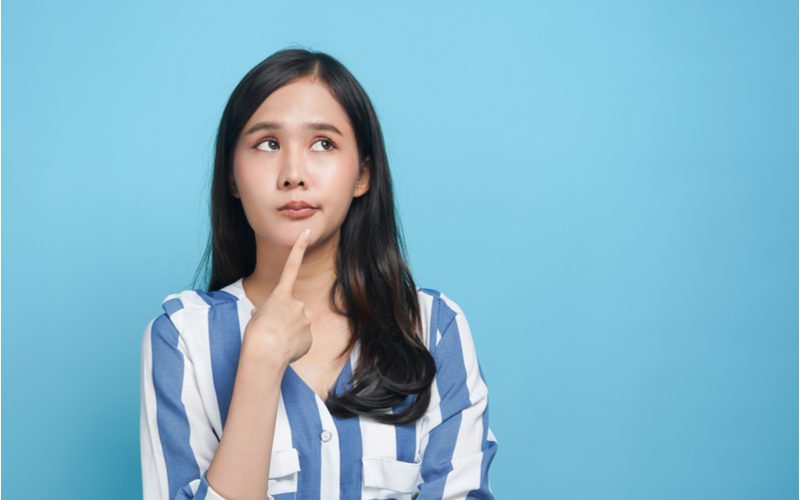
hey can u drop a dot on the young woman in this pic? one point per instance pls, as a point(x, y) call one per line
point(332, 375)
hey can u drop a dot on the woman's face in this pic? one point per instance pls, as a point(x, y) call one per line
point(298, 146)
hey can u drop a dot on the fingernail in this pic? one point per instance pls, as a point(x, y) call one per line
point(306, 233)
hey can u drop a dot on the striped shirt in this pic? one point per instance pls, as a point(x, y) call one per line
point(189, 357)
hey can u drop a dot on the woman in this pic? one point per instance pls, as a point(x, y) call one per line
point(332, 374)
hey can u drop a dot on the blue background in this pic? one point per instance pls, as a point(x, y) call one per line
point(608, 189)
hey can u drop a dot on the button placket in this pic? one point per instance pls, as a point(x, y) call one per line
point(329, 450)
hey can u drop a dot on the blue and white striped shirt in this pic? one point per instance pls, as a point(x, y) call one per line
point(189, 358)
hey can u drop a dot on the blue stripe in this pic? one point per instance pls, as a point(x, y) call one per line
point(436, 320)
point(444, 318)
point(451, 377)
point(202, 490)
point(431, 291)
point(406, 434)
point(225, 343)
point(216, 297)
point(172, 306)
point(350, 446)
point(173, 424)
point(304, 419)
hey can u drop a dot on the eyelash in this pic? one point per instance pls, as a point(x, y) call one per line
point(266, 139)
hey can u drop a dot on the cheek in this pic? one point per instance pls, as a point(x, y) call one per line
point(253, 181)
point(253, 195)
point(339, 191)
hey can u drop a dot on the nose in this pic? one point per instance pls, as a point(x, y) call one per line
point(293, 171)
point(292, 180)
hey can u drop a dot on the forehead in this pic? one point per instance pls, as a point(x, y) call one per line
point(302, 101)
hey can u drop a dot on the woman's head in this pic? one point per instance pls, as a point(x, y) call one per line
point(267, 155)
point(298, 145)
point(258, 169)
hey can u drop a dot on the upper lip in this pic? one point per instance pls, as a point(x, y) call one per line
point(297, 205)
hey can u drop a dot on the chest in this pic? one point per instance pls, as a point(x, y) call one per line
point(320, 367)
point(314, 453)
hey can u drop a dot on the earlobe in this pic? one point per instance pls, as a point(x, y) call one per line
point(362, 186)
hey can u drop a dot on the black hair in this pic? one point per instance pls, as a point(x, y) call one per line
point(379, 294)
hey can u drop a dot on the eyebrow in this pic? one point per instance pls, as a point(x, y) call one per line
point(307, 126)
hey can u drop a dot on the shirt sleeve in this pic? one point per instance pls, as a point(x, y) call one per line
point(177, 440)
point(460, 446)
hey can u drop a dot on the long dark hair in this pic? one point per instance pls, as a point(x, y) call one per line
point(395, 369)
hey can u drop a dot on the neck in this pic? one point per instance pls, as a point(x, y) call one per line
point(314, 278)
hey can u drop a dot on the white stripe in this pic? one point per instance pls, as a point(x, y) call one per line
point(154, 468)
point(470, 435)
point(193, 328)
point(329, 456)
point(201, 440)
point(282, 440)
point(242, 308)
point(425, 305)
point(467, 454)
point(433, 414)
point(378, 439)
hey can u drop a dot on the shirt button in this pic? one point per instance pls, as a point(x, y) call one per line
point(325, 435)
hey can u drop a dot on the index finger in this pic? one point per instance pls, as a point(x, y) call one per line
point(292, 266)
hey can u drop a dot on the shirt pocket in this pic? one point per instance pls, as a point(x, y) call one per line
point(389, 478)
point(283, 468)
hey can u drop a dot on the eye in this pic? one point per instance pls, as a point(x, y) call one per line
point(328, 141)
point(266, 141)
point(272, 142)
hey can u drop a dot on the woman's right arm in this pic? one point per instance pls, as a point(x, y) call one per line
point(240, 466)
point(182, 458)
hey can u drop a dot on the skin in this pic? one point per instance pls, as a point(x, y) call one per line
point(274, 166)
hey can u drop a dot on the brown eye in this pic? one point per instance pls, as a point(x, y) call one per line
point(270, 141)
point(330, 145)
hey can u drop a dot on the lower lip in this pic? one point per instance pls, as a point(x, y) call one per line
point(301, 213)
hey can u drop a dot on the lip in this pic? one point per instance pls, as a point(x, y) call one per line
point(297, 205)
point(301, 213)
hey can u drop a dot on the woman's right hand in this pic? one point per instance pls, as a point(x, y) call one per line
point(280, 329)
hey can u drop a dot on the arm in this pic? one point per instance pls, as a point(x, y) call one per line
point(460, 446)
point(181, 454)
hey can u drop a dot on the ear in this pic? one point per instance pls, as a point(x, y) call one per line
point(232, 186)
point(362, 186)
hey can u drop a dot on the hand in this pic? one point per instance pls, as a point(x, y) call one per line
point(280, 326)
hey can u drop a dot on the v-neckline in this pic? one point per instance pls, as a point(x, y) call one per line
point(239, 286)
point(336, 383)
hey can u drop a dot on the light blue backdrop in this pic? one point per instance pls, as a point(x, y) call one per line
point(608, 189)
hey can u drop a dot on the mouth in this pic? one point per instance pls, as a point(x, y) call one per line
point(298, 213)
point(296, 205)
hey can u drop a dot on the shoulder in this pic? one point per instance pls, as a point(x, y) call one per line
point(181, 310)
point(442, 306)
point(451, 344)
point(441, 315)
